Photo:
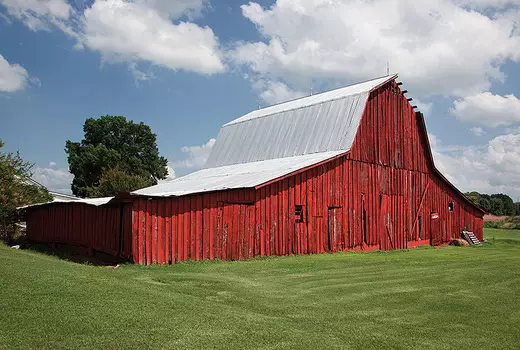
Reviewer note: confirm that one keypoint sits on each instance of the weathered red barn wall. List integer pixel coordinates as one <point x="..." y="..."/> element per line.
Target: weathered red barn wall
<point x="371" y="198"/>
<point x="234" y="225"/>
<point x="392" y="135"/>
<point x="197" y="227"/>
<point x="104" y="229"/>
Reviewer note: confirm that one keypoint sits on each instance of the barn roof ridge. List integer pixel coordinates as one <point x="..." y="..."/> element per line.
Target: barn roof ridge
<point x="318" y="97"/>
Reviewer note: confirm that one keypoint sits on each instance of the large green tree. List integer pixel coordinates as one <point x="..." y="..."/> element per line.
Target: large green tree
<point x="497" y="204"/>
<point x="116" y="155"/>
<point x="16" y="189"/>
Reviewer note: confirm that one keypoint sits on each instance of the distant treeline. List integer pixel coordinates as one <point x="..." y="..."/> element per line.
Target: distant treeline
<point x="497" y="204"/>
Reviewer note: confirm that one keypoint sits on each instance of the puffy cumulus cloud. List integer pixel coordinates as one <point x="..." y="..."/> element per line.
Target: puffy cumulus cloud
<point x="487" y="109"/>
<point x="13" y="77"/>
<point x="275" y="92"/>
<point x="477" y="130"/>
<point x="38" y="14"/>
<point x="130" y="31"/>
<point x="177" y="8"/>
<point x="124" y="31"/>
<point x="439" y="47"/>
<point x="57" y="180"/>
<point x="492" y="168"/>
<point x="195" y="156"/>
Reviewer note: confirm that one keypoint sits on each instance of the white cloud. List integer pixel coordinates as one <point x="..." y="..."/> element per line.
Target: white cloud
<point x="177" y="8"/>
<point x="477" y="130"/>
<point x="195" y="156"/>
<point x="13" y="77"/>
<point x="57" y="180"/>
<point x="424" y="107"/>
<point x="437" y="46"/>
<point x="130" y="31"/>
<point x="276" y="92"/>
<point x="38" y="14"/>
<point x="487" y="109"/>
<point x="489" y="169"/>
<point x="52" y="164"/>
<point x="171" y="174"/>
<point x="124" y="31"/>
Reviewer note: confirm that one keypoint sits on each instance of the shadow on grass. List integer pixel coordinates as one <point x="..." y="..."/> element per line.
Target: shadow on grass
<point x="74" y="254"/>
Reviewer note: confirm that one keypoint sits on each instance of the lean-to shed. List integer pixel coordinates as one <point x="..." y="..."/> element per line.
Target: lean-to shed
<point x="347" y="169"/>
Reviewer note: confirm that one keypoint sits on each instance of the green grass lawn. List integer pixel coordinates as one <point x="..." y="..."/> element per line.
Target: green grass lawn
<point x="442" y="298"/>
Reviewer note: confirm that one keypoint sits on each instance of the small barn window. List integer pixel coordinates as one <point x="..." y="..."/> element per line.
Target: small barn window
<point x="298" y="213"/>
<point x="451" y="206"/>
<point x="419" y="227"/>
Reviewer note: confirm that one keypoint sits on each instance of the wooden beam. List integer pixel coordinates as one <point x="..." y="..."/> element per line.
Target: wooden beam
<point x="420" y="205"/>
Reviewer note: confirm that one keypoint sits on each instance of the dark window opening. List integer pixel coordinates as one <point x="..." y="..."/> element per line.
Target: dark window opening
<point x="298" y="213"/>
<point x="419" y="227"/>
<point x="451" y="206"/>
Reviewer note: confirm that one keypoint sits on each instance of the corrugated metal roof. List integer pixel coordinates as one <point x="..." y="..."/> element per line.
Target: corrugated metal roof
<point x="269" y="143"/>
<point x="319" y="123"/>
<point x="243" y="175"/>
<point x="89" y="201"/>
<point x="302" y="102"/>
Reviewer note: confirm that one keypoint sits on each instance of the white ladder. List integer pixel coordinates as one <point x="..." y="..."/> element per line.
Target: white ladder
<point x="470" y="237"/>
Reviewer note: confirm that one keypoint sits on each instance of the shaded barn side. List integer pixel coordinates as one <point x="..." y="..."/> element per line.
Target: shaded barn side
<point x="105" y="229"/>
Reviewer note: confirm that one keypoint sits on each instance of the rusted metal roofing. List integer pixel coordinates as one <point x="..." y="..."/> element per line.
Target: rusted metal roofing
<point x="320" y="123"/>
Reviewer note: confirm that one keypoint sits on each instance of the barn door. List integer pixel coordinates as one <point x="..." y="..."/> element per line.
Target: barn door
<point x="335" y="229"/>
<point x="435" y="232"/>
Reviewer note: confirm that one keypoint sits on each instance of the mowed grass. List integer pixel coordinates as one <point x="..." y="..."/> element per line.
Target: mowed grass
<point x="440" y="298"/>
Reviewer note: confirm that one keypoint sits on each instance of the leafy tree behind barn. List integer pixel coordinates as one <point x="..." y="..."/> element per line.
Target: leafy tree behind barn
<point x="497" y="204"/>
<point x="116" y="155"/>
<point x="16" y="190"/>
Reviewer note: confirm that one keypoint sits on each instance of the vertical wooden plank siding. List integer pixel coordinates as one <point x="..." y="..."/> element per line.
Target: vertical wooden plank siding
<point x="374" y="195"/>
<point x="106" y="229"/>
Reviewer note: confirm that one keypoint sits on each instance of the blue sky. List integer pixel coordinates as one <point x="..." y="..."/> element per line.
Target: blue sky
<point x="186" y="67"/>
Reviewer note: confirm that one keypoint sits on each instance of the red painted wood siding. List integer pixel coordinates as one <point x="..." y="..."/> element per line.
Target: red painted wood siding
<point x="387" y="179"/>
<point x="103" y="229"/>
<point x="371" y="198"/>
<point x="234" y="225"/>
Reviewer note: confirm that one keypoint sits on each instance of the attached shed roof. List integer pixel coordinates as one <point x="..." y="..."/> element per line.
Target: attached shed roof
<point x="275" y="141"/>
<point x="89" y="201"/>
<point x="246" y="175"/>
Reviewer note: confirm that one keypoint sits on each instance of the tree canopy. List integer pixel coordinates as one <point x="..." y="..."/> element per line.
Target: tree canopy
<point x="116" y="155"/>
<point x="16" y="189"/>
<point x="496" y="204"/>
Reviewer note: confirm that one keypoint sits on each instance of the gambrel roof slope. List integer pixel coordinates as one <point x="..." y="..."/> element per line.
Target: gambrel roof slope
<point x="272" y="142"/>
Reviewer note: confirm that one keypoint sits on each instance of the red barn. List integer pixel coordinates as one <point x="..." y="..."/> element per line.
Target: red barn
<point x="347" y="169"/>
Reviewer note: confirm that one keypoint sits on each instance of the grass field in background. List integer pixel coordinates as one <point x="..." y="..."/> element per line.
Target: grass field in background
<point x="440" y="298"/>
